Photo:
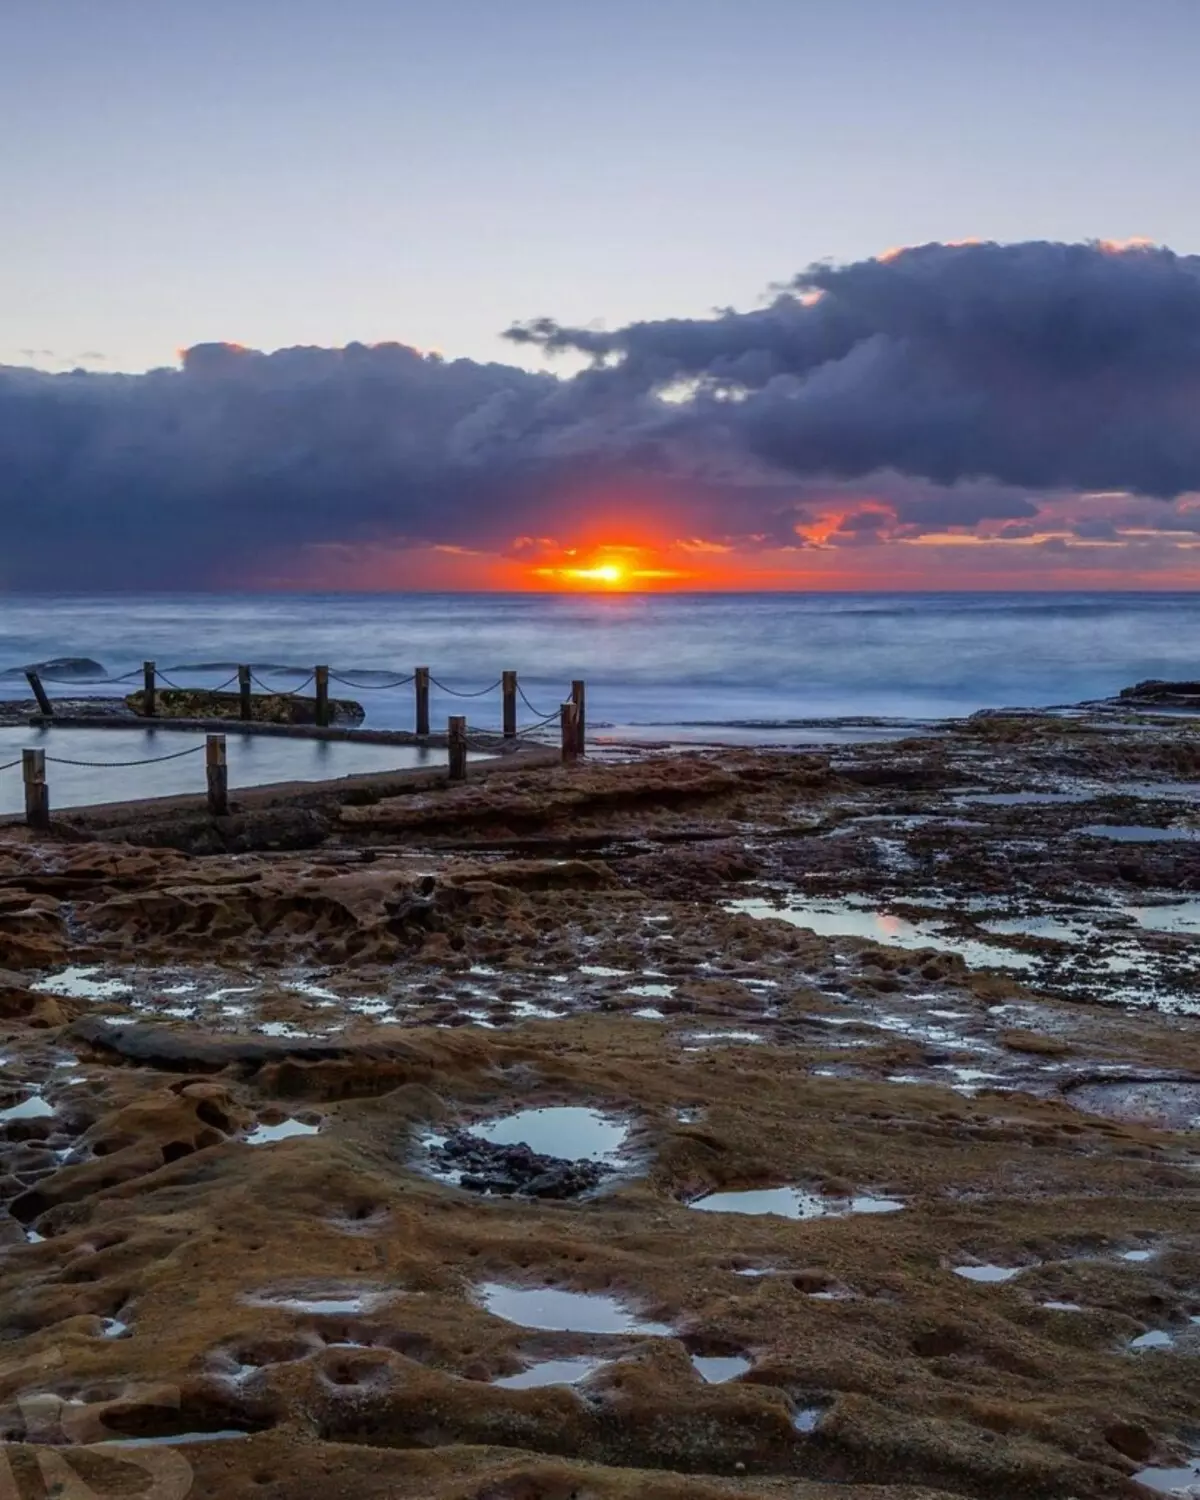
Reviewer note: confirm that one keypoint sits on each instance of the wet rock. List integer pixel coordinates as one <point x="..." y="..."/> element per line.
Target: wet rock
<point x="1131" y="1439"/>
<point x="516" y="1170"/>
<point x="62" y="668"/>
<point x="1153" y="690"/>
<point x="265" y="708"/>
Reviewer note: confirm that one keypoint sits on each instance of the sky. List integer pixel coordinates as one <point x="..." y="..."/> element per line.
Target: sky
<point x="283" y="174"/>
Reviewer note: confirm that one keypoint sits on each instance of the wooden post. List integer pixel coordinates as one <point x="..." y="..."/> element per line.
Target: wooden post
<point x="246" y="710"/>
<point x="456" y="740"/>
<point x="39" y="692"/>
<point x="579" y="699"/>
<point x="509" y="690"/>
<point x="148" y="703"/>
<point x="421" y="684"/>
<point x="322" y="676"/>
<point x="37" y="794"/>
<point x="567" y="716"/>
<point x="218" y="775"/>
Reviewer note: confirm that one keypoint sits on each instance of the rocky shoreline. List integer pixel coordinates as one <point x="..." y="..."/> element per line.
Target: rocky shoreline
<point x="898" y="1040"/>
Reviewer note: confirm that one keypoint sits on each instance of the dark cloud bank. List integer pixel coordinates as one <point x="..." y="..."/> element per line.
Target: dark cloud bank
<point x="951" y="380"/>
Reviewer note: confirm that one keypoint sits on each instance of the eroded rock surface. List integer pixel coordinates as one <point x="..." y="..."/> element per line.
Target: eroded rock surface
<point x="895" y="974"/>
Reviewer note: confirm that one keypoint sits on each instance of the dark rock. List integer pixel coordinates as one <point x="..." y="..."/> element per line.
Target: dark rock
<point x="508" y="1171"/>
<point x="174" y="1051"/>
<point x="63" y="669"/>
<point x="1155" y="691"/>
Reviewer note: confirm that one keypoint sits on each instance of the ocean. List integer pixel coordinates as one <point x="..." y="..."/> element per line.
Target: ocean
<point x="749" y="667"/>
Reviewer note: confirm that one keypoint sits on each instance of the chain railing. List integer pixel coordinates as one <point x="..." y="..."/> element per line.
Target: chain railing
<point x="461" y="738"/>
<point x="249" y="678"/>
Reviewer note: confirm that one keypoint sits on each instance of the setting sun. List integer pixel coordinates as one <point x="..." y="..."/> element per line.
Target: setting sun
<point x="608" y="572"/>
<point x="600" y="572"/>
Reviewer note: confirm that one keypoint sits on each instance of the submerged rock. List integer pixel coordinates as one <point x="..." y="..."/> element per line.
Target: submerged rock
<point x="507" y="1171"/>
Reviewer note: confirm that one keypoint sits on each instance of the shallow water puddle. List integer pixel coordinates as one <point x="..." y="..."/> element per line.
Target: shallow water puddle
<point x="1168" y="1104"/>
<point x="696" y="1041"/>
<point x="182" y="1437"/>
<point x="1040" y="927"/>
<point x="76" y="982"/>
<point x="1138" y="833"/>
<point x="526" y="1010"/>
<point x="567" y="1132"/>
<point x="792" y="1203"/>
<point x="1184" y="1481"/>
<point x="550" y="1372"/>
<point x="264" y="1135"/>
<point x="807" y="1419"/>
<point x="32" y="1108"/>
<point x="848" y="919"/>
<point x="602" y="971"/>
<point x="555" y="1311"/>
<point x="651" y="991"/>
<point x="717" y="1369"/>
<point x="989" y="1273"/>
<point x="1137" y="1255"/>
<point x="1022" y="799"/>
<point x="1062" y="1306"/>
<point x="331" y="1301"/>
<point x="1157" y="1338"/>
<point x="1171" y="916"/>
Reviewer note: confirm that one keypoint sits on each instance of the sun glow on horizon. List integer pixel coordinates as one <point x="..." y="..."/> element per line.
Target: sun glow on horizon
<point x="631" y="569"/>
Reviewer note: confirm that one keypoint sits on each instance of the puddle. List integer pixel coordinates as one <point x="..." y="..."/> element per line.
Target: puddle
<point x="555" y="1152"/>
<point x="312" y="991"/>
<point x="33" y="1108"/>
<point x="550" y="1372"/>
<point x="181" y="1437"/>
<point x="334" y="1301"/>
<point x="1022" y="799"/>
<point x="264" y="1135"/>
<point x="602" y="971"/>
<point x="989" y="1273"/>
<point x="806" y="1420"/>
<point x="718" y="1369"/>
<point x="114" y="1328"/>
<point x="846" y="919"/>
<point x="1172" y="916"/>
<point x="1040" y="927"/>
<point x="1139" y="833"/>
<point x="696" y="1040"/>
<point x="568" y="1133"/>
<point x="1166" y="1104"/>
<point x="1062" y="1306"/>
<point x="556" y="1311"/>
<point x="791" y="1203"/>
<point x="1155" y="1339"/>
<point x="1137" y="1255"/>
<point x="649" y="1013"/>
<point x="76" y="982"/>
<point x="651" y="991"/>
<point x="526" y="1010"/>
<point x="1184" y="1481"/>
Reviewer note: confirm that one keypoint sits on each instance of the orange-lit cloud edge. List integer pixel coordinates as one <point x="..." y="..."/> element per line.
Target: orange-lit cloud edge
<point x="820" y="560"/>
<point x="831" y="551"/>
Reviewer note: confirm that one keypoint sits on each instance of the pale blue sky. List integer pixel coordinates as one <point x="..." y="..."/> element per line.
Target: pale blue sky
<point x="303" y="171"/>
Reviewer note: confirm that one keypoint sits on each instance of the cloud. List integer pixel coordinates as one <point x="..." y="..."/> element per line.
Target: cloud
<point x="1036" y="365"/>
<point x="976" y="386"/>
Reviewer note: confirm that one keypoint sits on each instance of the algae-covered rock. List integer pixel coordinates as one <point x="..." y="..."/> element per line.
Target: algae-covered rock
<point x="265" y="708"/>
